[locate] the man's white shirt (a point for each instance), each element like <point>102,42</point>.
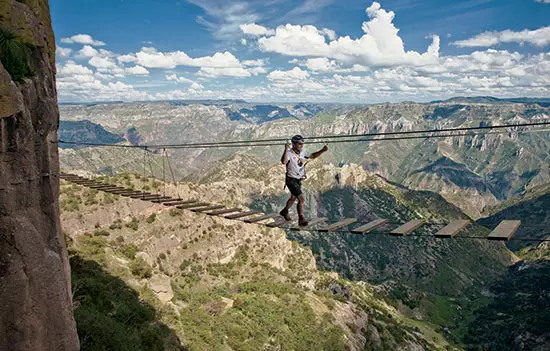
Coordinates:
<point>293,168</point>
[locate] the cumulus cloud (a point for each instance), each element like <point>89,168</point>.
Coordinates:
<point>102,62</point>
<point>137,71</point>
<point>82,39</point>
<point>178,79</point>
<point>256,29</point>
<point>63,52</point>
<point>214,72</point>
<point>126,58</point>
<point>294,74</point>
<point>87,51</point>
<point>538,37</point>
<point>258,62</point>
<point>379,46</point>
<point>72,69</point>
<point>320,64</point>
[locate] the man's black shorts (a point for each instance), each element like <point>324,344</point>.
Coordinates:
<point>294,185</point>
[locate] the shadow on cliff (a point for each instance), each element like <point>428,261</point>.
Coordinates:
<point>110,316</point>
<point>519,315</point>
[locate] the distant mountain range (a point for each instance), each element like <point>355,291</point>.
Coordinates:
<point>475,172</point>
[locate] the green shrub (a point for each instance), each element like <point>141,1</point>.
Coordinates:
<point>14,55</point>
<point>174,212</point>
<point>133,224</point>
<point>101,232</point>
<point>129,251</point>
<point>140,268</point>
<point>151,218</point>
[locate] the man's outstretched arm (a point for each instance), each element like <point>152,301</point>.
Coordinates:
<point>319,153</point>
<point>284,158</point>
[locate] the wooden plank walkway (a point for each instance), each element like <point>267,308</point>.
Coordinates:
<point>182,202</point>
<point>242,214</point>
<point>369,226</point>
<point>452,228</point>
<point>162,200</point>
<point>261,218</point>
<point>312,223</point>
<point>338,225</point>
<point>504,231</point>
<point>407,228</point>
<point>220,212</point>
<point>278,223</point>
<point>207,208</point>
<point>196,204</point>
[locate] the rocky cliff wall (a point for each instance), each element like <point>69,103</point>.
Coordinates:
<point>35,295</point>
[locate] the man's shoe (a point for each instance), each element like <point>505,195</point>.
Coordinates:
<point>285,214</point>
<point>302,222</point>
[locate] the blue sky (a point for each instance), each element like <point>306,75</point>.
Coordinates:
<point>308,50</point>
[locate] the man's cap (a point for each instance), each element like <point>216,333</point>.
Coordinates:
<point>298,139</point>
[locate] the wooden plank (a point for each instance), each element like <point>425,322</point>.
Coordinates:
<point>452,228</point>
<point>138,196</point>
<point>242,214</point>
<point>163,199</point>
<point>208,208</point>
<point>277,223</point>
<point>312,223</point>
<point>150,197</point>
<point>128,192</point>
<point>225,211</point>
<point>406,228</point>
<point>504,231</point>
<point>113,189</point>
<point>369,226</point>
<point>338,225</point>
<point>261,218</point>
<point>132,193</point>
<point>182,202</point>
<point>196,204</point>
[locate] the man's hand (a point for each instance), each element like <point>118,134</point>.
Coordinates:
<point>287,146</point>
<point>324,149</point>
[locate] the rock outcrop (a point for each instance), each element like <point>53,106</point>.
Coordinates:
<point>35,294</point>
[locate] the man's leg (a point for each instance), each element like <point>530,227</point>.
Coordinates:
<point>289,203</point>
<point>301,219</point>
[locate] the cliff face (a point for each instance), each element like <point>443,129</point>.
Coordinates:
<point>35,297</point>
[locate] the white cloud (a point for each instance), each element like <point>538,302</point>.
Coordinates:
<point>320,64</point>
<point>82,39</point>
<point>102,62</point>
<point>257,70</point>
<point>538,37</point>
<point>329,33</point>
<point>177,79</point>
<point>72,69</point>
<point>294,74</point>
<point>126,58</point>
<point>87,52</point>
<point>379,46</point>
<point>543,1</point>
<point>197,86</point>
<point>137,71</point>
<point>225,18</point>
<point>256,29</point>
<point>243,41</point>
<point>63,52</point>
<point>258,62</point>
<point>151,58</point>
<point>214,72</point>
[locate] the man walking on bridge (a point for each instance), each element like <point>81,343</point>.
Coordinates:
<point>294,158</point>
